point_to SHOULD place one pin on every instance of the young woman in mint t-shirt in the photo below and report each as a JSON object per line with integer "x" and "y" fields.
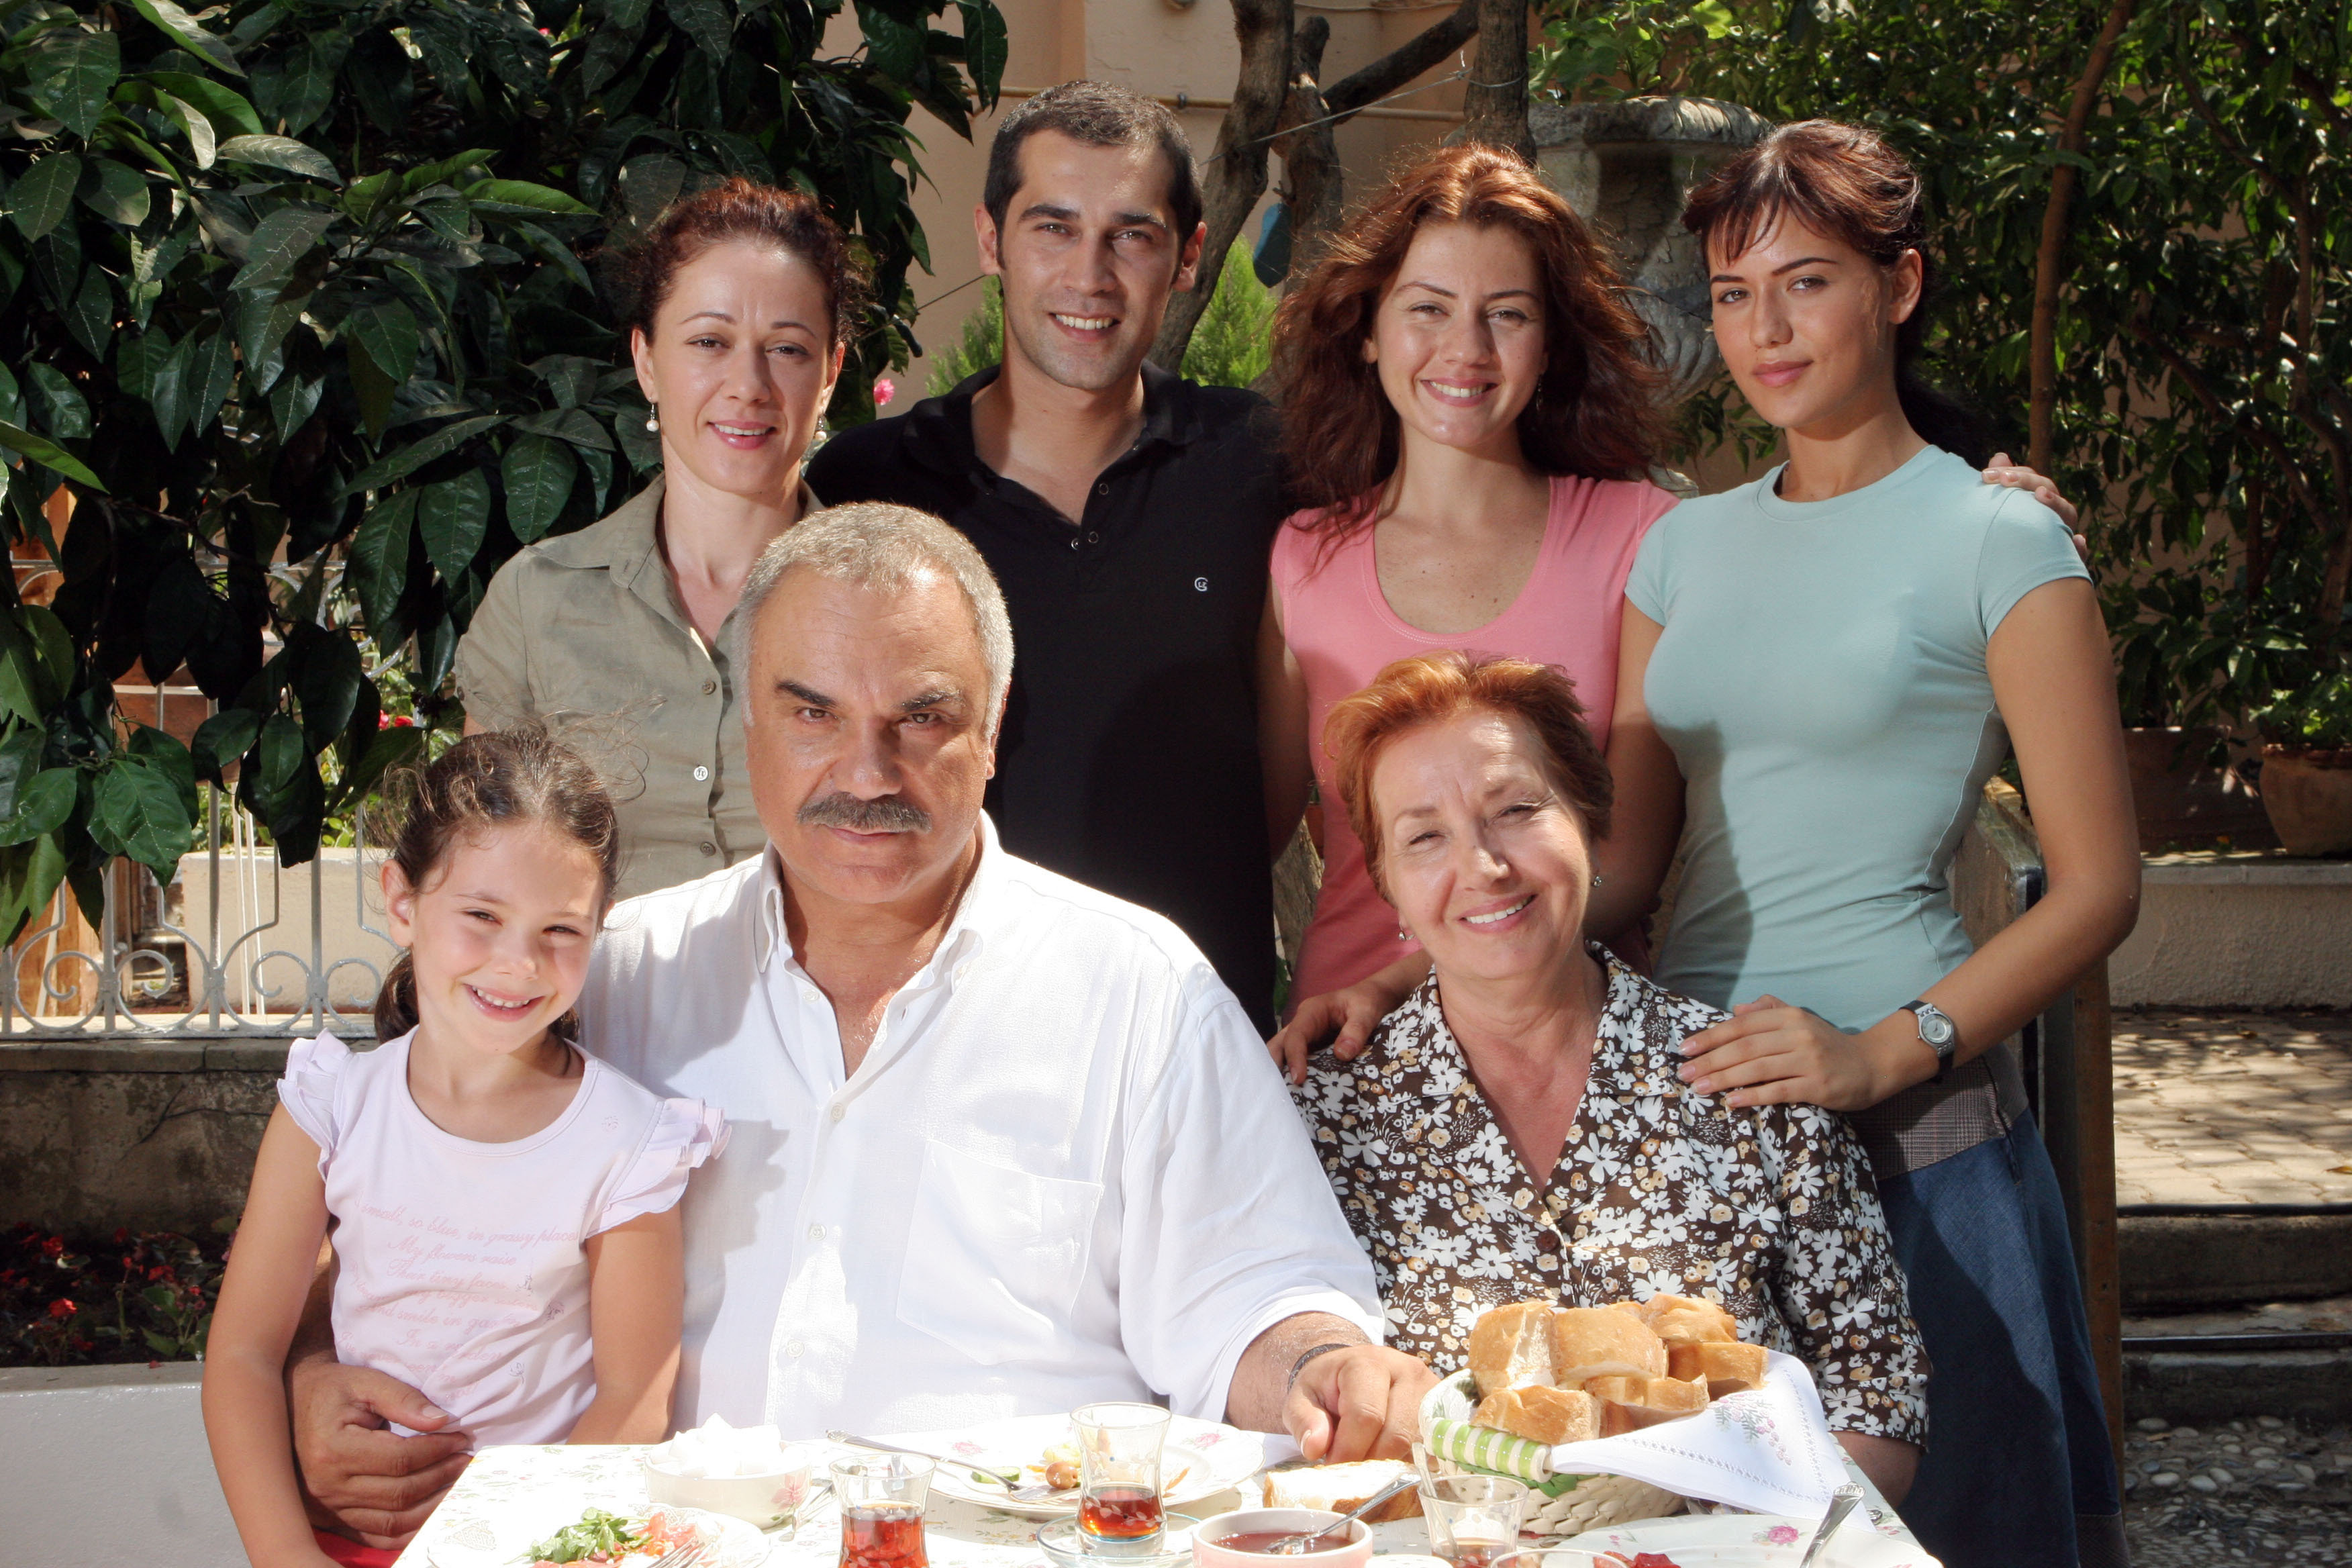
{"x": 1818, "y": 673}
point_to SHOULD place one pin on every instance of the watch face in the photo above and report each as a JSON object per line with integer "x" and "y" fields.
{"x": 1936, "y": 1029}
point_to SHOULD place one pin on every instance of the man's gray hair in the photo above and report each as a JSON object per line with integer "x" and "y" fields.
{"x": 887, "y": 549}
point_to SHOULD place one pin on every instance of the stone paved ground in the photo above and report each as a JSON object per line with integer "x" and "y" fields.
{"x": 2242, "y": 1491}
{"x": 2232, "y": 1108}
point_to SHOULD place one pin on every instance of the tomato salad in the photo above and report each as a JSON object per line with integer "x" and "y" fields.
{"x": 615, "y": 1541}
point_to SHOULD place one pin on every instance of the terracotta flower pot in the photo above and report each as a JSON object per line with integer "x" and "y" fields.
{"x": 2308, "y": 793}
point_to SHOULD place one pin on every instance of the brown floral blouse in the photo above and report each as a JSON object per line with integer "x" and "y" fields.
{"x": 1769, "y": 1210}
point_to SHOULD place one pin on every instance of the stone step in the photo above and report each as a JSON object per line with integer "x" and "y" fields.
{"x": 2284, "y": 1359}
{"x": 2177, "y": 1256}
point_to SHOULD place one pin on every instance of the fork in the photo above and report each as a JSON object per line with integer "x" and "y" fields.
{"x": 685, "y": 1557}
{"x": 1009, "y": 1480}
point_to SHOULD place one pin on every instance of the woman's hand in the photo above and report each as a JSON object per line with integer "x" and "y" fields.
{"x": 2017, "y": 476}
{"x": 1768, "y": 1053}
{"x": 1350, "y": 1014}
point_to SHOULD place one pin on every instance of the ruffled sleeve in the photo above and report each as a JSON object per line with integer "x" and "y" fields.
{"x": 686, "y": 1132}
{"x": 309, "y": 1090}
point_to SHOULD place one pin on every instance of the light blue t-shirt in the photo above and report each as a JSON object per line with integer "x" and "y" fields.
{"x": 1822, "y": 681}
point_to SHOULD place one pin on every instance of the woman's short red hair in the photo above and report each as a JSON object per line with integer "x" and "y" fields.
{"x": 1431, "y": 688}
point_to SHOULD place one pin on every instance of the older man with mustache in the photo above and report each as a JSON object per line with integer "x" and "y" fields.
{"x": 1002, "y": 1144}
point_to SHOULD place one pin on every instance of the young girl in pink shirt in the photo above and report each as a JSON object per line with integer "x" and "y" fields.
{"x": 504, "y": 1208}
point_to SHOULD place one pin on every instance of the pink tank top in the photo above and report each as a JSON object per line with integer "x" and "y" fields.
{"x": 1339, "y": 625}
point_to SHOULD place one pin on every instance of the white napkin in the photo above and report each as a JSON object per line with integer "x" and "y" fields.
{"x": 1767, "y": 1451}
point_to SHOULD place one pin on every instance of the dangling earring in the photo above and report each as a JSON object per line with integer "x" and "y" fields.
{"x": 1403, "y": 935}
{"x": 653, "y": 419}
{"x": 1596, "y": 879}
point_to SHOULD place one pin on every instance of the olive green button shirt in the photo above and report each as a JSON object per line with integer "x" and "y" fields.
{"x": 584, "y": 633}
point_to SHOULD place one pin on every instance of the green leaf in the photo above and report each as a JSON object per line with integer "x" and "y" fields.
{"x": 48, "y": 453}
{"x": 709, "y": 23}
{"x": 198, "y": 126}
{"x": 522, "y": 195}
{"x": 91, "y": 317}
{"x": 281, "y": 752}
{"x": 53, "y": 650}
{"x": 210, "y": 368}
{"x": 576, "y": 425}
{"x": 373, "y": 388}
{"x": 453, "y": 516}
{"x": 425, "y": 177}
{"x": 20, "y": 760}
{"x": 222, "y": 740}
{"x": 326, "y": 678}
{"x": 182, "y": 26}
{"x": 73, "y": 75}
{"x": 393, "y": 746}
{"x": 230, "y": 112}
{"x": 137, "y": 811}
{"x": 43, "y": 805}
{"x": 63, "y": 409}
{"x": 408, "y": 459}
{"x": 281, "y": 152}
{"x": 280, "y": 241}
{"x": 379, "y": 557}
{"x": 389, "y": 333}
{"x": 985, "y": 48}
{"x": 41, "y": 198}
{"x": 167, "y": 389}
{"x": 29, "y": 875}
{"x": 115, "y": 192}
{"x": 539, "y": 475}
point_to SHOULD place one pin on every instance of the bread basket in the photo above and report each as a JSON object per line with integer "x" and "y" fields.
{"x": 1591, "y": 1502}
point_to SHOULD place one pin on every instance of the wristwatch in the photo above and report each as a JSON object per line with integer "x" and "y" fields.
{"x": 1938, "y": 1033}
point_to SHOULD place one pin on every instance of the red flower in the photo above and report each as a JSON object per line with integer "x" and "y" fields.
{"x": 884, "y": 392}
{"x": 55, "y": 1247}
{"x": 62, "y": 1308}
{"x": 122, "y": 1235}
{"x": 163, "y": 1271}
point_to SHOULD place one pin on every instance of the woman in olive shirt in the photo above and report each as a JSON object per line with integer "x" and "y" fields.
{"x": 741, "y": 301}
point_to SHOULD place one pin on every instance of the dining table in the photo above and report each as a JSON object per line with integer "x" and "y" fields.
{"x": 561, "y": 1479}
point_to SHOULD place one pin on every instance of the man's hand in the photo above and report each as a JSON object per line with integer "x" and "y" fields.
{"x": 1361, "y": 1403}
{"x": 359, "y": 1475}
{"x": 2002, "y": 471}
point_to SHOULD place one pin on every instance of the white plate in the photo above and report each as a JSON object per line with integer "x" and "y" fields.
{"x": 1755, "y": 1541}
{"x": 1202, "y": 1459}
{"x": 733, "y": 1542}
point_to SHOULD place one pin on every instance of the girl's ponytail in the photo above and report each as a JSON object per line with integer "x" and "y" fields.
{"x": 519, "y": 775}
{"x": 396, "y": 1003}
{"x": 1846, "y": 183}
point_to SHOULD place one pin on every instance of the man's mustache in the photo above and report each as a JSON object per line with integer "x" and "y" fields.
{"x": 884, "y": 814}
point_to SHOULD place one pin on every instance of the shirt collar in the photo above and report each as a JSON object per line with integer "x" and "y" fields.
{"x": 939, "y": 429}
{"x": 628, "y": 538}
{"x": 965, "y": 933}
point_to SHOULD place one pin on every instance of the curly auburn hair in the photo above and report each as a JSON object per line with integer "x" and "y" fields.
{"x": 1595, "y": 412}
{"x": 1430, "y": 688}
{"x": 738, "y": 209}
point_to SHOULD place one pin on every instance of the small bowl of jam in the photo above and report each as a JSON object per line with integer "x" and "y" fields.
{"x": 1244, "y": 1539}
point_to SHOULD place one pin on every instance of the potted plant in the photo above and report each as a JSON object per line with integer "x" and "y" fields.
{"x": 2307, "y": 766}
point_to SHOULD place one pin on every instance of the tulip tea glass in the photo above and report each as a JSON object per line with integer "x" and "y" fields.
{"x": 1120, "y": 1447}
{"x": 1474, "y": 1521}
{"x": 882, "y": 1499}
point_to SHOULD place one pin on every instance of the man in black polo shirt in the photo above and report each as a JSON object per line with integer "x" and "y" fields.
{"x": 1127, "y": 514}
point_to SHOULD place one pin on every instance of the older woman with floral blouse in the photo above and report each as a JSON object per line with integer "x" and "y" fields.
{"x": 1515, "y": 1129}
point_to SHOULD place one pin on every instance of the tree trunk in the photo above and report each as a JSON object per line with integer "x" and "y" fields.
{"x": 1236, "y": 175}
{"x": 2041, "y": 356}
{"x": 1495, "y": 104}
{"x": 1317, "y": 193}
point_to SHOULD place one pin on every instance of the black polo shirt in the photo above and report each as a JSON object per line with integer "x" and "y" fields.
{"x": 1130, "y": 756}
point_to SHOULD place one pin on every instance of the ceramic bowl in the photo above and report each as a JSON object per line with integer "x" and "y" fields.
{"x": 765, "y": 1501}
{"x": 1208, "y": 1536}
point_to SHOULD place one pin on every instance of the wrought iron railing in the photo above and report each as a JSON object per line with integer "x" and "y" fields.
{"x": 235, "y": 945}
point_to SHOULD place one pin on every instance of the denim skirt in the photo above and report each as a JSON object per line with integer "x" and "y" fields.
{"x": 2018, "y": 1463}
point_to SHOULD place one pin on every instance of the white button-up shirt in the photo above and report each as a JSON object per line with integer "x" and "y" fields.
{"x": 1066, "y": 1170}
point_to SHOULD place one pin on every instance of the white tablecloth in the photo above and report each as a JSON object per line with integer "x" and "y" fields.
{"x": 957, "y": 1534}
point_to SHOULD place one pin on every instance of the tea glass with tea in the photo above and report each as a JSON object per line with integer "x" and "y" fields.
{"x": 882, "y": 1499}
{"x": 1474, "y": 1521}
{"x": 1120, "y": 1446}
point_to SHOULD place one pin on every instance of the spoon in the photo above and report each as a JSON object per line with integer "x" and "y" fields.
{"x": 1294, "y": 1545}
{"x": 1841, "y": 1503}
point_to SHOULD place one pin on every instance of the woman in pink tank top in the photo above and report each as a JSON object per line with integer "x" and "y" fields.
{"x": 1469, "y": 416}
